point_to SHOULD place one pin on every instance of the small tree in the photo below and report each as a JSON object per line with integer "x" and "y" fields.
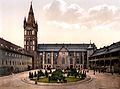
{"x": 49, "y": 79}
{"x": 46, "y": 73}
{"x": 38, "y": 72}
{"x": 38, "y": 77}
{"x": 41, "y": 73}
{"x": 68, "y": 74}
{"x": 29, "y": 74}
{"x": 35, "y": 75}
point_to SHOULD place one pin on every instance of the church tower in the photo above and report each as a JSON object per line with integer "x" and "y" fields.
{"x": 30, "y": 35}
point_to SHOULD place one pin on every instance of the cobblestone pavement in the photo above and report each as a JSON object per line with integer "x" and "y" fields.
{"x": 99, "y": 81}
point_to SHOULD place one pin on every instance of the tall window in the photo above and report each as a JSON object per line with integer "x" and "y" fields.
{"x": 27, "y": 42}
{"x": 63, "y": 53}
{"x": 71, "y": 61}
{"x": 33, "y": 42}
{"x": 77, "y": 54}
{"x": 77, "y": 61}
{"x": 71, "y": 54}
{"x": 63, "y": 61}
{"x": 48, "y": 54}
{"x": 55, "y": 61}
{"x": 30, "y": 42}
{"x": 33, "y": 47}
{"x": 81, "y": 59}
{"x": 25, "y": 32}
{"x": 33, "y": 32}
{"x": 27, "y": 48}
{"x": 41, "y": 54}
{"x": 49, "y": 61}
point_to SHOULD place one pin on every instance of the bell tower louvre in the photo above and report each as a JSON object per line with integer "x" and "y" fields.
{"x": 30, "y": 35}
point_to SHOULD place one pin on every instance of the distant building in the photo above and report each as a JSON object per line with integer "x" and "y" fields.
{"x": 107, "y": 58}
{"x": 13, "y": 58}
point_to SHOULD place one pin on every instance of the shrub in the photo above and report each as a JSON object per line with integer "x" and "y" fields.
{"x": 41, "y": 73}
{"x": 57, "y": 75}
{"x": 68, "y": 74}
{"x": 46, "y": 73}
{"x": 35, "y": 75}
{"x": 29, "y": 74}
{"x": 49, "y": 79}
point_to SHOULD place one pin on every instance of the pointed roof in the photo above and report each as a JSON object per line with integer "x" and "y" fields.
{"x": 31, "y": 18}
{"x": 90, "y": 46}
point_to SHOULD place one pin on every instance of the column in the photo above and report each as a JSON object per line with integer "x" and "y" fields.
{"x": 74, "y": 61}
{"x": 43, "y": 59}
{"x": 83, "y": 59}
{"x": 51, "y": 59}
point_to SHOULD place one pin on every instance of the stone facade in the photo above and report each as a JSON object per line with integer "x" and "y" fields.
{"x": 30, "y": 35}
{"x": 64, "y": 55}
{"x": 106, "y": 58}
{"x": 13, "y": 58}
{"x": 53, "y": 55}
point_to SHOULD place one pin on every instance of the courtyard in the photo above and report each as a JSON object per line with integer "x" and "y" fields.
{"x": 98, "y": 81}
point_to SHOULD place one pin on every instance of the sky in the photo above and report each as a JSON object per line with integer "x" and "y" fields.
{"x": 63, "y": 21}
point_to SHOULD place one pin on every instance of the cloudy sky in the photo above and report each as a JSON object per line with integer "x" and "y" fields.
{"x": 63, "y": 21}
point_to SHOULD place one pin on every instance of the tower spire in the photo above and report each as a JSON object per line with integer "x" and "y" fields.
{"x": 31, "y": 18}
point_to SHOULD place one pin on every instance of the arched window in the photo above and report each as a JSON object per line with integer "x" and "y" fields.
{"x": 6, "y": 62}
{"x": 30, "y": 42}
{"x": 77, "y": 61}
{"x": 25, "y": 32}
{"x": 71, "y": 61}
{"x": 55, "y": 61}
{"x": 33, "y": 48}
{"x": 10, "y": 62}
{"x": 27, "y": 42}
{"x": 63, "y": 61}
{"x": 33, "y": 32}
{"x": 33, "y": 42}
{"x": 49, "y": 61}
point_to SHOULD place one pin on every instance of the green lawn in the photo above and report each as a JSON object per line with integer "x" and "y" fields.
{"x": 45, "y": 80}
{"x": 69, "y": 79}
{"x": 72, "y": 79}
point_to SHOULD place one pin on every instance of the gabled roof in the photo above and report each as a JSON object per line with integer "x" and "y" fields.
{"x": 107, "y": 49}
{"x": 69, "y": 47}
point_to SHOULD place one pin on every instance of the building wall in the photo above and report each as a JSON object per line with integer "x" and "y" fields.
{"x": 13, "y": 62}
{"x": 61, "y": 59}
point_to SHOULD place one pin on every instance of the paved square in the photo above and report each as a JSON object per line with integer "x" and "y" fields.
{"x": 99, "y": 81}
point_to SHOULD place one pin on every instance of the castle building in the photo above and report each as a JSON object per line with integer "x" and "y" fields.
{"x": 54, "y": 55}
{"x": 30, "y": 35}
{"x": 13, "y": 58}
{"x": 64, "y": 55}
{"x": 106, "y": 58}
